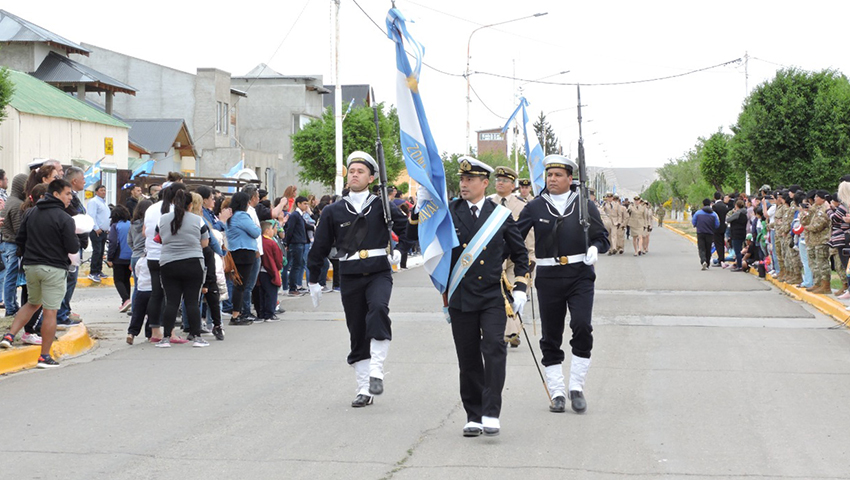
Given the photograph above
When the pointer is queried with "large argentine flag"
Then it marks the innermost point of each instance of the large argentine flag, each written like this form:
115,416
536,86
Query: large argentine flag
533,150
436,231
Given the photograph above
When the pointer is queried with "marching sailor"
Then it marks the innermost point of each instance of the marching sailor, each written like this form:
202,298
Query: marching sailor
504,196
487,234
565,277
356,227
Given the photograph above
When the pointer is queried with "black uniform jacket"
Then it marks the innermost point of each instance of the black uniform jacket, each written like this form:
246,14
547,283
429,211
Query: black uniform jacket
479,288
334,225
542,215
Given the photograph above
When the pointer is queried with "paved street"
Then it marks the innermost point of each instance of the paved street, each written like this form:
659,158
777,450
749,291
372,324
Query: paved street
695,375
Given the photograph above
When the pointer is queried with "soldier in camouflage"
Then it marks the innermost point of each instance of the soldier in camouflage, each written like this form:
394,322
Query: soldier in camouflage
792,254
818,228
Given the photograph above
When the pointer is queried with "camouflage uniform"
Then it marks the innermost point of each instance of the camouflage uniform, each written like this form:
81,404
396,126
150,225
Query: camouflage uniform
818,229
781,238
792,255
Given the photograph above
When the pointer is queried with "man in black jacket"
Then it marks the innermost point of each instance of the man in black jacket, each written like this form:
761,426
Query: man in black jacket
297,243
356,226
45,239
476,303
721,210
565,277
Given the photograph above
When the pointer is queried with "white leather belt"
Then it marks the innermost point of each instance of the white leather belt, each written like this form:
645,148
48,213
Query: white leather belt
364,254
565,260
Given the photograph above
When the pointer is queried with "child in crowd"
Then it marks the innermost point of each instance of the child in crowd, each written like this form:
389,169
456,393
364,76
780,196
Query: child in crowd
144,289
269,279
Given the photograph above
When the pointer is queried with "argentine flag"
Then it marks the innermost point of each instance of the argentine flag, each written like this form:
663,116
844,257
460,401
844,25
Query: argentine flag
236,168
533,150
145,169
424,165
92,174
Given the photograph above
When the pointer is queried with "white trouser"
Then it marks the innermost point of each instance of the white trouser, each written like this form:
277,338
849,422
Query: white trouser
378,350
578,373
361,373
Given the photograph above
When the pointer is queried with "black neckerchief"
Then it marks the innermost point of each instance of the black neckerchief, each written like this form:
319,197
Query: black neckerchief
358,230
550,244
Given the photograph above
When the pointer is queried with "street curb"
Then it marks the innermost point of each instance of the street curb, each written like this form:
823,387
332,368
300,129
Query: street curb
85,282
829,306
75,341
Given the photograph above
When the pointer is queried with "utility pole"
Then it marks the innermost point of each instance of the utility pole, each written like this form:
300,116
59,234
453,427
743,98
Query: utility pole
746,92
338,180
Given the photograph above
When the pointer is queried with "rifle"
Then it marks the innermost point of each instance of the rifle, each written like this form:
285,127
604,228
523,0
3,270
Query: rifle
584,214
382,176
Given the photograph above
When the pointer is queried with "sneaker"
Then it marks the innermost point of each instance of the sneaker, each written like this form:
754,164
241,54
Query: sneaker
327,289
303,290
94,278
218,332
205,328
336,289
200,342
102,275
7,341
704,266
178,340
31,338
46,361
274,318
125,306
75,317
163,343
190,337
66,324
294,293
239,321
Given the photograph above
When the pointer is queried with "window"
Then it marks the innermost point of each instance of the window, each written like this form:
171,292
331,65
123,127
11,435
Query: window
225,118
218,109
300,121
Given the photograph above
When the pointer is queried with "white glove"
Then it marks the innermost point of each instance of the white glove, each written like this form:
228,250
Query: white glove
446,313
592,255
520,299
422,196
83,223
395,258
315,293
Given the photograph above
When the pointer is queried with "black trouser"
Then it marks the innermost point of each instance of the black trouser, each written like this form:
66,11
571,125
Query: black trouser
335,263
704,241
156,303
268,296
244,270
213,299
720,244
182,280
555,295
140,310
121,275
481,357
97,244
366,302
32,325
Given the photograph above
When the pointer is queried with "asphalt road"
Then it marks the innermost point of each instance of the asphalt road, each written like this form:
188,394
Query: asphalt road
695,375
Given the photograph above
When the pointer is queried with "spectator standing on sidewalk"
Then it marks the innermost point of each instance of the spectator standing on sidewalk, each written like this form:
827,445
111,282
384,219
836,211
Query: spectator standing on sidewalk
76,177
135,197
119,254
242,236
269,278
98,209
706,222
721,210
11,223
737,221
838,240
46,238
296,244
4,183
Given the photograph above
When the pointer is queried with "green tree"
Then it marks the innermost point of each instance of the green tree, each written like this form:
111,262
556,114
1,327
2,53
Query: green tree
550,142
714,163
314,146
7,89
793,129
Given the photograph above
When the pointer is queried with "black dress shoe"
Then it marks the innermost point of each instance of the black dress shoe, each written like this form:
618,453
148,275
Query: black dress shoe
559,405
578,402
376,386
472,430
361,401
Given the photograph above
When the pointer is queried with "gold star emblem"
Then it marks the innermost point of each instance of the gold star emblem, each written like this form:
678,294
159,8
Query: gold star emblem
413,84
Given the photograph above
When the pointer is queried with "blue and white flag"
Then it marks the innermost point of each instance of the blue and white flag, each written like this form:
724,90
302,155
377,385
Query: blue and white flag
92,174
533,150
424,165
233,171
145,169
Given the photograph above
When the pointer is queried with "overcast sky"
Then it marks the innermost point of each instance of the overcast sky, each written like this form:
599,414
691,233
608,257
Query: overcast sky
637,125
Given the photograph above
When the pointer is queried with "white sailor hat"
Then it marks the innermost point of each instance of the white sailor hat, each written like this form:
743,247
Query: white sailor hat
559,161
363,158
473,166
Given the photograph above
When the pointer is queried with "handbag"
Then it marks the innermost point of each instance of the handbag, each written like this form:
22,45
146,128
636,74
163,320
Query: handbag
230,269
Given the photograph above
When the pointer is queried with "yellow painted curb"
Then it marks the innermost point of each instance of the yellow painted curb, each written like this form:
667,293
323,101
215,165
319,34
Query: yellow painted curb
679,232
76,340
825,304
85,282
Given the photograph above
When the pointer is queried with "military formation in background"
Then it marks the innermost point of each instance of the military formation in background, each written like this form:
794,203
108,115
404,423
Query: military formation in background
624,220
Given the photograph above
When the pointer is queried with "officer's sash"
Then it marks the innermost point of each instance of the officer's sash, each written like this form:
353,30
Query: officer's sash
476,245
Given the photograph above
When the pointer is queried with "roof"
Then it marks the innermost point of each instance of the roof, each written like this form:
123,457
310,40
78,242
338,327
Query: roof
16,29
264,71
66,74
38,98
360,94
160,135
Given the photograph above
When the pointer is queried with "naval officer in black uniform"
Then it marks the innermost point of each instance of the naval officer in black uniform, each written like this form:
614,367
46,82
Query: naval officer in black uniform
476,302
565,277
356,226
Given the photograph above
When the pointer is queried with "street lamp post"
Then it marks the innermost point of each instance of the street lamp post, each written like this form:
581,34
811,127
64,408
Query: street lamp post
468,57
